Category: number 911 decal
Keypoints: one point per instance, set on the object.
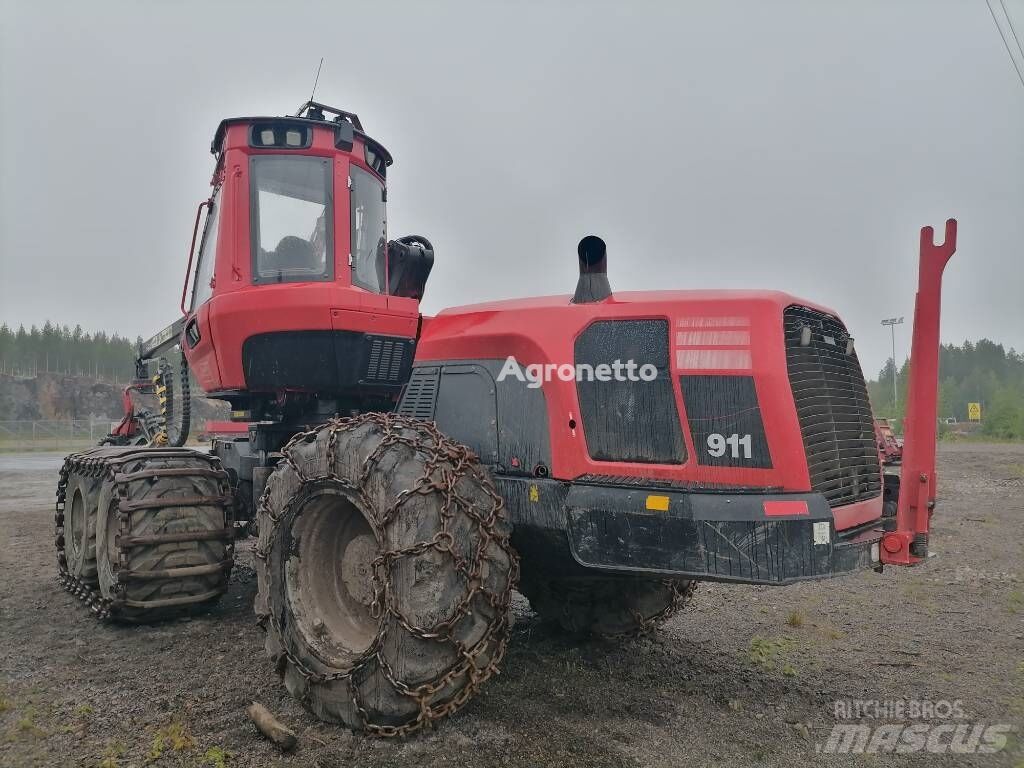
(725, 421)
(719, 444)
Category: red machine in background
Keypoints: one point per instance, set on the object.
(890, 451)
(625, 446)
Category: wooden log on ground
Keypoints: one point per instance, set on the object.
(271, 727)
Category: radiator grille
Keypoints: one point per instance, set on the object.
(420, 393)
(385, 361)
(833, 409)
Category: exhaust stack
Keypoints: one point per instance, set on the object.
(593, 283)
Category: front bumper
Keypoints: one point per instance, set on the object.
(749, 538)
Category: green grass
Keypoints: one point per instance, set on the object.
(1015, 601)
(27, 726)
(950, 437)
(764, 651)
(217, 757)
(112, 755)
(173, 736)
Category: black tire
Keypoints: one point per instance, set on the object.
(80, 528)
(613, 607)
(385, 573)
(164, 538)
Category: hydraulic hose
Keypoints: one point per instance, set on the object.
(164, 386)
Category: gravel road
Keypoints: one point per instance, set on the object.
(745, 676)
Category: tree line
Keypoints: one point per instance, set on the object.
(983, 372)
(64, 350)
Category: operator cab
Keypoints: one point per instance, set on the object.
(297, 295)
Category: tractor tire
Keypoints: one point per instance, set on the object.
(611, 608)
(385, 573)
(80, 528)
(165, 539)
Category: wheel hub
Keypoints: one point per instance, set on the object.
(329, 578)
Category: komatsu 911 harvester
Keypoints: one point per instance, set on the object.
(603, 452)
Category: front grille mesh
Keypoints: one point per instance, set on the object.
(386, 359)
(833, 409)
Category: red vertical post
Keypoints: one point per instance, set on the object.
(908, 544)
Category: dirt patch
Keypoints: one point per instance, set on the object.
(745, 676)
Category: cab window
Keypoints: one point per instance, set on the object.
(369, 231)
(292, 228)
(202, 288)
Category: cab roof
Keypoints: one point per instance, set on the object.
(344, 124)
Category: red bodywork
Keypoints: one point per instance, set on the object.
(917, 484)
(238, 309)
(217, 427)
(129, 426)
(713, 332)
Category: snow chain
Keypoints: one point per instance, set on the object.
(426, 440)
(679, 598)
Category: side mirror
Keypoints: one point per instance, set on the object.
(410, 260)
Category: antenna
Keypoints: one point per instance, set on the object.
(317, 79)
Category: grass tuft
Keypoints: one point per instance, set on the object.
(173, 736)
(217, 757)
(1015, 601)
(26, 724)
(112, 755)
(763, 651)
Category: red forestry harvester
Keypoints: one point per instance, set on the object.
(890, 451)
(398, 469)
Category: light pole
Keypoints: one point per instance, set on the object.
(892, 322)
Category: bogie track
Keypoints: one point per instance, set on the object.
(144, 534)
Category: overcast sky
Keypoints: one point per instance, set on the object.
(788, 145)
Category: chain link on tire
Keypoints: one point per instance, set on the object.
(438, 588)
(612, 608)
(138, 526)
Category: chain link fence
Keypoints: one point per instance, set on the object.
(51, 434)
